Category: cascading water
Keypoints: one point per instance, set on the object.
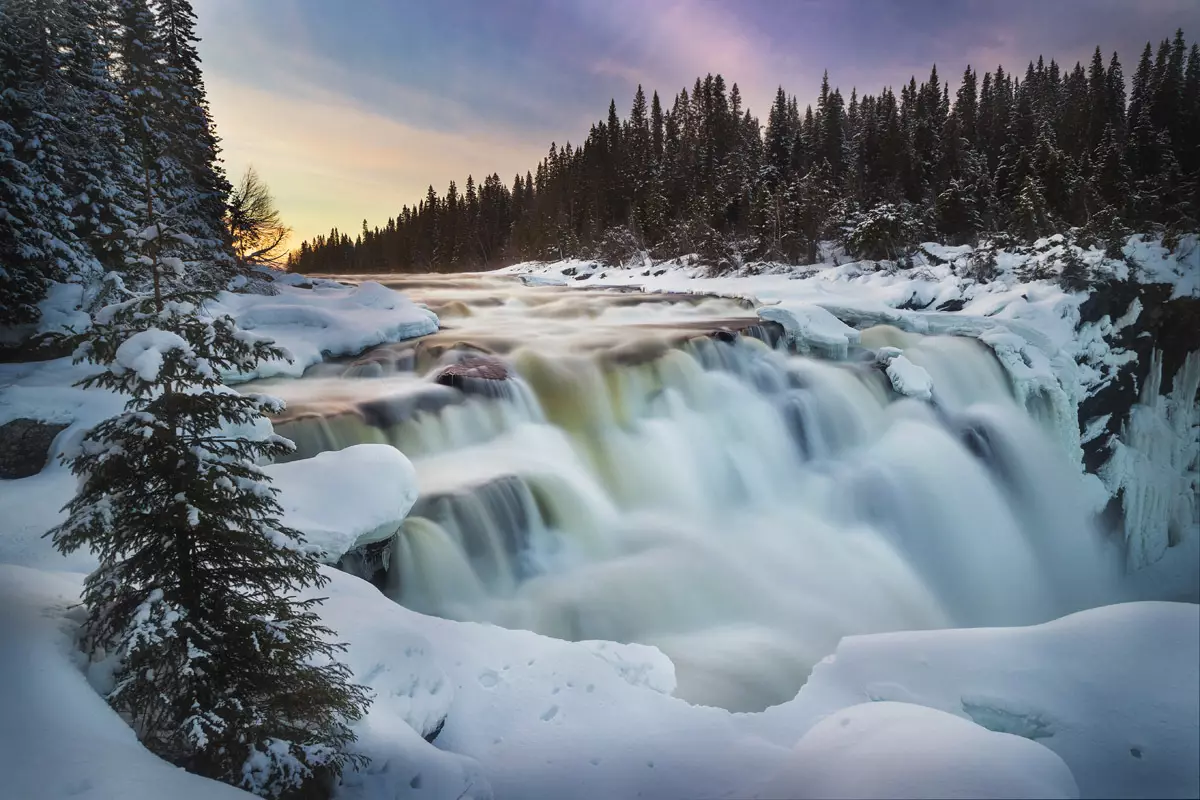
(658, 470)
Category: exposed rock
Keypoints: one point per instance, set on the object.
(25, 447)
(1172, 326)
(481, 375)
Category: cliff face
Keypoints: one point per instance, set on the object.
(1140, 426)
(1170, 326)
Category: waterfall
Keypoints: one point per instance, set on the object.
(673, 475)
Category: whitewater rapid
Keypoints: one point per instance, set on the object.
(662, 470)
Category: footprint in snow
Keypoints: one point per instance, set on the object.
(550, 713)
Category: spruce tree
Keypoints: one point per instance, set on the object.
(24, 273)
(221, 670)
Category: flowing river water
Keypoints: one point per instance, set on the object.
(661, 469)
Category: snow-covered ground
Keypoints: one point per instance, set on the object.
(1103, 703)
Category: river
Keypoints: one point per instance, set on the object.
(661, 469)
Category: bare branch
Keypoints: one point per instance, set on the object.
(254, 223)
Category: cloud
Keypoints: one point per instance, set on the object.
(330, 162)
(351, 111)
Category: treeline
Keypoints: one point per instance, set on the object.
(100, 100)
(1020, 156)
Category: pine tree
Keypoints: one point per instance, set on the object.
(221, 670)
(1029, 218)
(1111, 179)
(202, 185)
(102, 183)
(24, 275)
(1075, 275)
(38, 239)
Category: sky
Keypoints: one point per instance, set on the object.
(350, 109)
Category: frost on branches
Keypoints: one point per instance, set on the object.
(220, 669)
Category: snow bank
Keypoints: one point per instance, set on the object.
(527, 716)
(325, 321)
(516, 715)
(1156, 264)
(1111, 690)
(58, 737)
(310, 318)
(342, 497)
(899, 750)
(61, 309)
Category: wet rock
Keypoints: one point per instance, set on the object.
(369, 561)
(25, 447)
(384, 412)
(481, 375)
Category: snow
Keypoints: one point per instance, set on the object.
(900, 750)
(1111, 690)
(1158, 265)
(58, 738)
(339, 498)
(907, 378)
(175, 265)
(811, 328)
(1102, 703)
(60, 309)
(311, 319)
(143, 352)
(1153, 464)
(324, 321)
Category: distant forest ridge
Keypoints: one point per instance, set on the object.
(1011, 156)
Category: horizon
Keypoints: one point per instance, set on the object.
(351, 116)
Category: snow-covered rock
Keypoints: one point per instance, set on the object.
(907, 378)
(1111, 690)
(341, 498)
(811, 328)
(325, 321)
(900, 750)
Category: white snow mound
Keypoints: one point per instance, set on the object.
(342, 497)
(899, 750)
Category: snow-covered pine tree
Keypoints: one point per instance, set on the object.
(195, 142)
(38, 242)
(220, 668)
(1029, 218)
(168, 124)
(103, 184)
(23, 278)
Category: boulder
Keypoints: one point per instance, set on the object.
(480, 375)
(25, 447)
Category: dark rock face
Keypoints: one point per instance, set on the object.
(1172, 326)
(25, 447)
